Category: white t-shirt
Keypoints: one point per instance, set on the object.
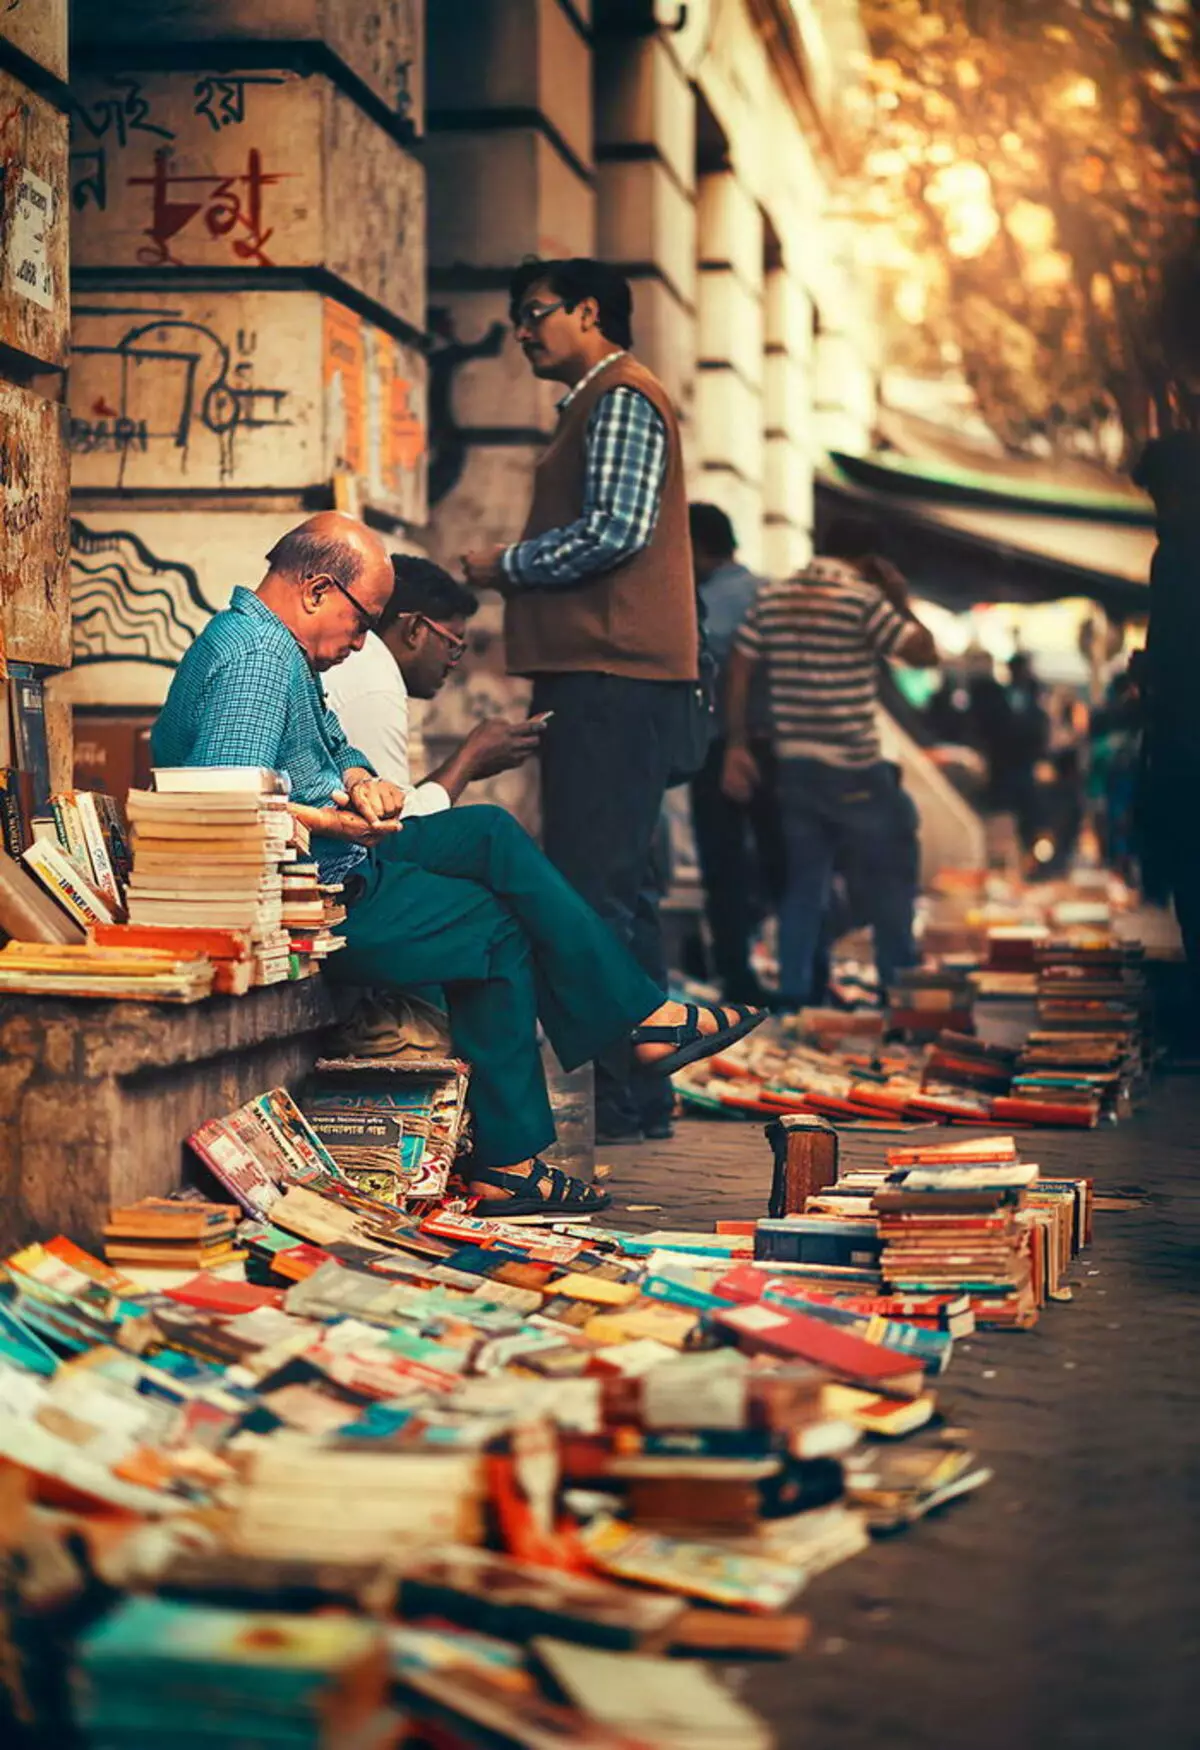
(367, 695)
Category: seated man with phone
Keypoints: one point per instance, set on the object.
(458, 897)
(420, 638)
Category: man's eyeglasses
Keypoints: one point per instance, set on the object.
(456, 647)
(533, 315)
(370, 622)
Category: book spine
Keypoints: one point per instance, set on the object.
(115, 835)
(70, 833)
(59, 877)
(97, 848)
(11, 833)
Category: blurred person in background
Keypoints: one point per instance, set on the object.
(1116, 755)
(819, 637)
(739, 845)
(1009, 727)
(1169, 470)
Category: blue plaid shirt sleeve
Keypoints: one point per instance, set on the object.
(626, 465)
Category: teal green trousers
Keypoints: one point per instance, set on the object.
(466, 900)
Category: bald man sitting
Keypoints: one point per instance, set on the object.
(462, 899)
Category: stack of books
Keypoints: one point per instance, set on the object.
(91, 969)
(172, 1234)
(392, 1124)
(209, 844)
(949, 1223)
(228, 952)
(311, 908)
(242, 1677)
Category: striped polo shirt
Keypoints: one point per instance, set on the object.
(820, 636)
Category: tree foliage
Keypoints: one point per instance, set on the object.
(1037, 164)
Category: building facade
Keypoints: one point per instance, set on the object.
(291, 226)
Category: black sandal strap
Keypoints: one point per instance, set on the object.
(682, 1033)
(529, 1185)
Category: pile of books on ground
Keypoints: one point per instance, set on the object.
(512, 1467)
(1040, 1029)
(172, 1233)
(970, 1220)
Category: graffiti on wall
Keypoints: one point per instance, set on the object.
(447, 441)
(127, 603)
(33, 525)
(153, 379)
(122, 112)
(172, 167)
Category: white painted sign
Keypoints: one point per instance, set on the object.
(29, 271)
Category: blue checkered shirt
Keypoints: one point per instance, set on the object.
(244, 695)
(625, 466)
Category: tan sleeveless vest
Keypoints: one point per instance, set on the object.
(638, 619)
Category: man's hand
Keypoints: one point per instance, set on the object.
(343, 823)
(496, 745)
(483, 570)
(740, 776)
(376, 799)
(887, 577)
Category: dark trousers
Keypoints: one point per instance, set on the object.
(467, 901)
(605, 759)
(741, 854)
(862, 821)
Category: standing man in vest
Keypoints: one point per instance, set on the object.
(601, 615)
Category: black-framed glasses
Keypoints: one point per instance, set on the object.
(456, 647)
(370, 622)
(533, 315)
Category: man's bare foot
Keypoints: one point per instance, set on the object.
(711, 1020)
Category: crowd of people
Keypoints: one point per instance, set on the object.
(655, 658)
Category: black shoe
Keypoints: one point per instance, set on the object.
(617, 1127)
(657, 1129)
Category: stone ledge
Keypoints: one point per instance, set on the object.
(96, 1099)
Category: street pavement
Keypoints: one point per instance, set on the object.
(1059, 1608)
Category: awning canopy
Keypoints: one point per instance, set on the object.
(970, 538)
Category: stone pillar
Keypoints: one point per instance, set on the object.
(34, 321)
(788, 425)
(846, 363)
(249, 270)
(728, 451)
(509, 160)
(646, 200)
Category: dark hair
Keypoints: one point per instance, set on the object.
(850, 538)
(712, 530)
(575, 280)
(421, 587)
(301, 554)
